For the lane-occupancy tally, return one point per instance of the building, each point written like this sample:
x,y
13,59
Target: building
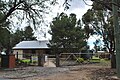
x,y
26,49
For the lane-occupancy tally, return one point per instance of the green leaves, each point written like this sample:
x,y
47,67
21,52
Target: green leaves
x,y
31,10
28,34
88,16
22,35
4,38
67,33
98,21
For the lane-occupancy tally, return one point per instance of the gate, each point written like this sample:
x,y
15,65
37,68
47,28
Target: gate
x,y
70,59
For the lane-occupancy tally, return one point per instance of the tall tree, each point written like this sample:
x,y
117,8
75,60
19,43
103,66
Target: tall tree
x,y
19,10
33,10
67,34
17,37
22,35
107,4
28,34
5,39
4,35
98,21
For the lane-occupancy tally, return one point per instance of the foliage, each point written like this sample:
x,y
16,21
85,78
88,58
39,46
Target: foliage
x,y
22,35
95,57
17,37
11,11
67,33
96,45
5,38
34,62
9,39
100,22
33,10
80,60
23,62
28,34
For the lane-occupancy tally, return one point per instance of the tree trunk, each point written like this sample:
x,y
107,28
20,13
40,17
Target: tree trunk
x,y
113,61
57,60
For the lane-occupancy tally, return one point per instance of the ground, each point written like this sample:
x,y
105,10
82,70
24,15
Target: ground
x,y
84,72
91,71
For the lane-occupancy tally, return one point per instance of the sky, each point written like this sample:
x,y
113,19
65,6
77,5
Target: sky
x,y
78,7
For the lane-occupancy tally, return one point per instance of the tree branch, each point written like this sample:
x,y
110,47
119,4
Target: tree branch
x,y
11,10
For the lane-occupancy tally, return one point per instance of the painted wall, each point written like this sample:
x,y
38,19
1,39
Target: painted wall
x,y
20,52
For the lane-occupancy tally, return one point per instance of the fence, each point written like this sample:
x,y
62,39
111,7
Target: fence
x,y
64,58
73,58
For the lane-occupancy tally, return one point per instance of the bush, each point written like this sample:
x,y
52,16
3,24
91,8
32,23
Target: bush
x,y
23,62
80,60
34,62
95,58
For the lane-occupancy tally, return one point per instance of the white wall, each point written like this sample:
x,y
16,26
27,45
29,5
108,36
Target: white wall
x,y
20,53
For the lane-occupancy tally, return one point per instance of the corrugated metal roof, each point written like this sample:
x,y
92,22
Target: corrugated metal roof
x,y
32,45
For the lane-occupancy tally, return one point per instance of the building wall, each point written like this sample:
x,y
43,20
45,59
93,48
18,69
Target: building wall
x,y
38,52
20,54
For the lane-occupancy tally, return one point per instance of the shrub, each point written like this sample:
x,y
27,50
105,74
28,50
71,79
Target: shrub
x,y
95,58
26,61
80,60
34,62
23,62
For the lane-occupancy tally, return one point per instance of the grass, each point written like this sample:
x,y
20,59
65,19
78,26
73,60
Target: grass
x,y
95,59
26,61
102,62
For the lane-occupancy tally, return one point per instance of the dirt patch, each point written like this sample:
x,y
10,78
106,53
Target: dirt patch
x,y
79,72
82,72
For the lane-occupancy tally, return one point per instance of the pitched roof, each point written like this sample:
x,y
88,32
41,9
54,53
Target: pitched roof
x,y
32,45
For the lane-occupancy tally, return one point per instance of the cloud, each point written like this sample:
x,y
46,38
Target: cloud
x,y
77,4
77,7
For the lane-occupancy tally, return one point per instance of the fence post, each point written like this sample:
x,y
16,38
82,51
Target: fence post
x,y
57,60
17,57
41,60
